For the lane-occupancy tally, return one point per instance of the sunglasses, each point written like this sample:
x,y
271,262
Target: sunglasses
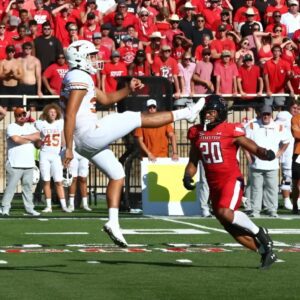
x,y
151,106
206,54
22,115
227,15
279,30
166,50
266,114
46,28
144,15
3,27
200,21
277,16
119,19
27,48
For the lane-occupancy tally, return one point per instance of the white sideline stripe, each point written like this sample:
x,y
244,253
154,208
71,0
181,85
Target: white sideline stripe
x,y
191,224
163,231
184,261
56,233
3,262
284,231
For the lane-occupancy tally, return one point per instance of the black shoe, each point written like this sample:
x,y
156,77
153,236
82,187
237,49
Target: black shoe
x,y
295,211
264,239
267,259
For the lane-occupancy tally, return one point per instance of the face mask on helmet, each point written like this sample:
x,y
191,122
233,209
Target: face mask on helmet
x,y
67,177
213,103
83,55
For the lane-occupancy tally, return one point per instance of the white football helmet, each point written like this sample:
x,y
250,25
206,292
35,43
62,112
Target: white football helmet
x,y
36,175
78,56
67,177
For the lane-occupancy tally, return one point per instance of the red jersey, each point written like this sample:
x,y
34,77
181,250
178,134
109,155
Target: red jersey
x,y
87,33
295,81
249,78
166,68
127,54
177,53
278,74
55,74
143,70
218,151
113,70
103,53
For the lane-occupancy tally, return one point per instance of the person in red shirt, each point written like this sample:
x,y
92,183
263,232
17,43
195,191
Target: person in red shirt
x,y
20,40
5,40
13,9
53,76
170,33
221,43
113,69
140,66
212,13
205,44
62,16
240,15
153,49
295,78
91,7
127,52
90,27
129,18
225,20
278,7
72,35
249,80
103,52
161,22
276,17
166,66
40,15
276,76
106,40
215,142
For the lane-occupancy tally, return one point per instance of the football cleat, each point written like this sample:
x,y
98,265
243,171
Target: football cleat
x,y
71,208
114,232
288,204
47,210
267,259
85,207
195,109
264,239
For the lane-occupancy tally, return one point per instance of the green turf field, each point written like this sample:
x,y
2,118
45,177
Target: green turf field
x,y
66,256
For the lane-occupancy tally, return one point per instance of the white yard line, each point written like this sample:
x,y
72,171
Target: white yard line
x,y
56,233
190,224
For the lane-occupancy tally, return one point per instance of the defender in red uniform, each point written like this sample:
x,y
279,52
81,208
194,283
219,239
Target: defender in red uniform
x,y
215,142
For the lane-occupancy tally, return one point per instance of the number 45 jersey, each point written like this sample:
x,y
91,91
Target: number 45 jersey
x,y
217,151
51,135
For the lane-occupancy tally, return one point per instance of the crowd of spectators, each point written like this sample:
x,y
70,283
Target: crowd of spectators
x,y
203,46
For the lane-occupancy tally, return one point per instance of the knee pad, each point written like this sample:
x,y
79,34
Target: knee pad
x,y
286,184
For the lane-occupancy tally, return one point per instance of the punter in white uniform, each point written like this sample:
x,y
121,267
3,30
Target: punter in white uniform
x,y
92,136
51,127
79,168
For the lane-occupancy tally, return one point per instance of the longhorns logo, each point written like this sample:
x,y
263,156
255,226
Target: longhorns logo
x,y
77,47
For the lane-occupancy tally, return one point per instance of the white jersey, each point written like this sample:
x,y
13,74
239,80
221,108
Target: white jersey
x,y
86,116
51,135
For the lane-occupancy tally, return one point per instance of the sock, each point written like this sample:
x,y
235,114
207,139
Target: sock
x,y
84,201
181,114
243,221
71,200
63,203
113,215
48,203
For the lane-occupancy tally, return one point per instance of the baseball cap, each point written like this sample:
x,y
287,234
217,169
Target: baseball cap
x,y
97,35
266,109
225,53
222,27
293,2
106,26
151,102
165,47
19,110
90,16
115,53
248,57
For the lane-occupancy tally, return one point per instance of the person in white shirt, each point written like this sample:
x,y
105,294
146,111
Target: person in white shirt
x,y
291,19
264,174
20,161
51,127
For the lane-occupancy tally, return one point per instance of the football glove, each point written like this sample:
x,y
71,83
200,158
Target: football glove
x,y
188,182
270,155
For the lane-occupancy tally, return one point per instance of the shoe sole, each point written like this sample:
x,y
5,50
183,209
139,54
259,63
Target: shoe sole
x,y
113,238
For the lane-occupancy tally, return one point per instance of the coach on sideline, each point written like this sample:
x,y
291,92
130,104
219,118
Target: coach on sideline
x,y
20,161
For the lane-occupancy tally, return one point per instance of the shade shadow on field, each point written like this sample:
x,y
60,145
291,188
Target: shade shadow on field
x,y
162,191
39,269
164,264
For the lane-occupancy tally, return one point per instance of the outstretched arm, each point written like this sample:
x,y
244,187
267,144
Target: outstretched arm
x,y
111,98
253,148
